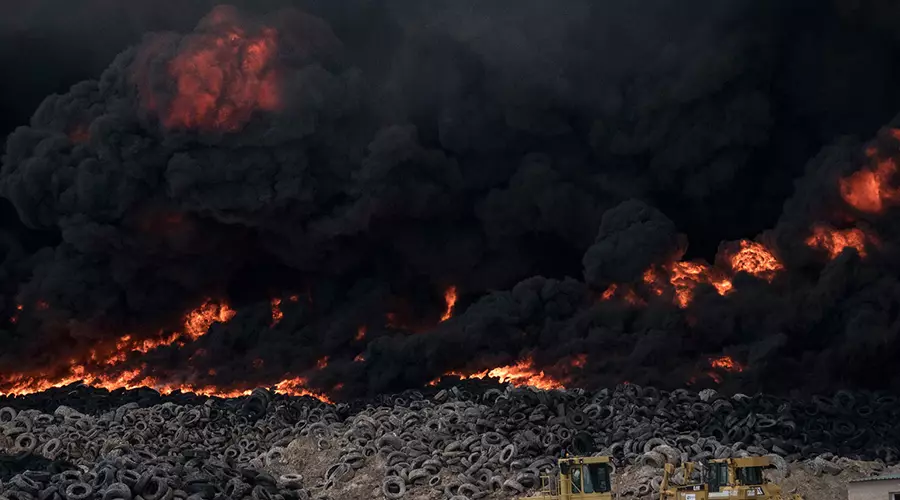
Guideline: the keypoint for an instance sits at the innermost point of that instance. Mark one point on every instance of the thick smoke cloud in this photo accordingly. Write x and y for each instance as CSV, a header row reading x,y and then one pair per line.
x,y
391,150
633,237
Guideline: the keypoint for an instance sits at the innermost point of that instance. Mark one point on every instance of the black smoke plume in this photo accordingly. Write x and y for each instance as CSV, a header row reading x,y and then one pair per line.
x,y
388,151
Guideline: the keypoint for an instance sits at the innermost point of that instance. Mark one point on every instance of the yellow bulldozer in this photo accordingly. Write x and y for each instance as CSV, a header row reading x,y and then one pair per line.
x,y
583,477
733,478
580,478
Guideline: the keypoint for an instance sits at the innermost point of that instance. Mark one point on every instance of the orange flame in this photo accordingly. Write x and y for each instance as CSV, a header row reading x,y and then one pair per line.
x,y
450,299
520,374
625,292
98,369
834,241
221,74
297,387
726,363
869,189
652,280
754,258
199,320
686,276
277,315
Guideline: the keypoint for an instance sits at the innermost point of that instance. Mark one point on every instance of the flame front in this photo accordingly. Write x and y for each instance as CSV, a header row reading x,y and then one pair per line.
x,y
297,387
521,374
103,368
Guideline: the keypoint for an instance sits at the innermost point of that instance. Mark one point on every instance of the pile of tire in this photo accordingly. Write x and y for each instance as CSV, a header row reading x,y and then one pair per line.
x,y
451,444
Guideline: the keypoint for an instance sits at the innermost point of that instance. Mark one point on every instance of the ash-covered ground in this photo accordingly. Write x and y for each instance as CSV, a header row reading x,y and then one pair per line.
x,y
469,441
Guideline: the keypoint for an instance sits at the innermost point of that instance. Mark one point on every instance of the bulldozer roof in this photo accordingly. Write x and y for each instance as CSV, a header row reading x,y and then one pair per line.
x,y
584,460
745,461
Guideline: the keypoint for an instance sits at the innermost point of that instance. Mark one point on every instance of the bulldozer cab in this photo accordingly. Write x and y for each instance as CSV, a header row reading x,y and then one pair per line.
x,y
729,472
580,478
687,490
732,478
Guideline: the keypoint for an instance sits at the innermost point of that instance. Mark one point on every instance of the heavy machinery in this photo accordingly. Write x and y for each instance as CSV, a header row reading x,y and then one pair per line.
x,y
580,478
734,478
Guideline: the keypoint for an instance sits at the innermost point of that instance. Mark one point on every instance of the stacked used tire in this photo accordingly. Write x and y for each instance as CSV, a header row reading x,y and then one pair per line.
x,y
451,444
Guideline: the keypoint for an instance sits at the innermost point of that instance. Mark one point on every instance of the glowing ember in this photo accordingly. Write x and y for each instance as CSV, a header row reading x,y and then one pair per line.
x,y
726,363
834,241
520,374
359,358
221,74
755,259
579,360
15,317
610,292
277,315
360,333
322,363
450,299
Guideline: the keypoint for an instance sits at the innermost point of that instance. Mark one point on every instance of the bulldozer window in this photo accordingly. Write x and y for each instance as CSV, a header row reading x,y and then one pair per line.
x,y
750,475
718,476
596,478
576,479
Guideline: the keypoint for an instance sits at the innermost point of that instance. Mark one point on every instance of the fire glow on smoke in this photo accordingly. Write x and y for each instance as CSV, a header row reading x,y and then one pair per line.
x,y
221,75
870,189
684,277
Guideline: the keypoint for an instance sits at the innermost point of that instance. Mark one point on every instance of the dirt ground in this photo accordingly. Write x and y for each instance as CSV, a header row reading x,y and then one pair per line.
x,y
801,478
302,456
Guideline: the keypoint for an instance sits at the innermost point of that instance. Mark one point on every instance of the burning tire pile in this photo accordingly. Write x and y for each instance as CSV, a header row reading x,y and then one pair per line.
x,y
451,444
